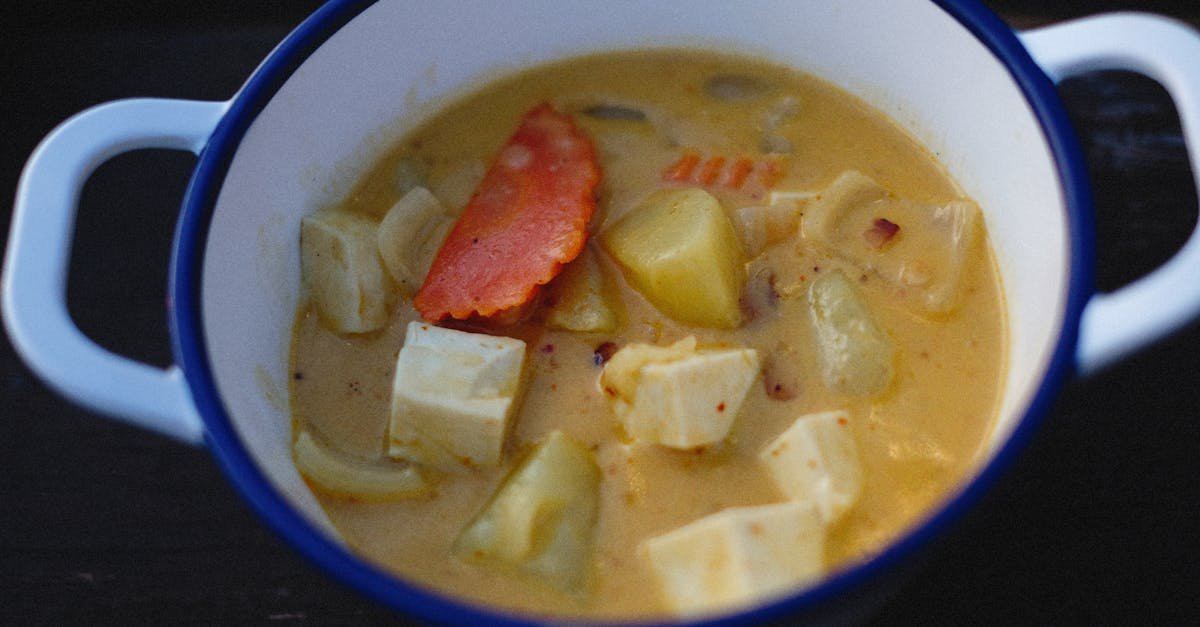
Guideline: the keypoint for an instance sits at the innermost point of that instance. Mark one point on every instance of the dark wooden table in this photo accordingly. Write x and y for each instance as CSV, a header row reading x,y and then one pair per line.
x,y
102,523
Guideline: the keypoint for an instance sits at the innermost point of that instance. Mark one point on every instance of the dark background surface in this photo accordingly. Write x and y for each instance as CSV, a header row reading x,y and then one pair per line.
x,y
103,523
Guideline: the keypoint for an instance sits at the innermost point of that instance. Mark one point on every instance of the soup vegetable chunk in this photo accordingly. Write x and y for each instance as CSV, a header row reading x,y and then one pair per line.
x,y
641,335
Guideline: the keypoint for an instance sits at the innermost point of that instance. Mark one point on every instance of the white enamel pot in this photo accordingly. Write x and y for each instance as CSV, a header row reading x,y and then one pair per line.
x,y
357,74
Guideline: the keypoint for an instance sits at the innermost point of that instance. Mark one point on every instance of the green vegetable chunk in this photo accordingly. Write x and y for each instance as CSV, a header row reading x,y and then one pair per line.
x,y
540,521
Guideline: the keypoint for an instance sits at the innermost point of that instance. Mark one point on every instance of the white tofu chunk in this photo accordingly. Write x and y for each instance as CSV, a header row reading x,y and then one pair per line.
x,y
738,556
815,460
341,269
855,354
922,250
676,395
410,235
454,396
541,520
339,474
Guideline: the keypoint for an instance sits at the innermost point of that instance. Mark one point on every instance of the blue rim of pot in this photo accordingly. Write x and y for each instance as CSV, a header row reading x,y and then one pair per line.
x,y
186,320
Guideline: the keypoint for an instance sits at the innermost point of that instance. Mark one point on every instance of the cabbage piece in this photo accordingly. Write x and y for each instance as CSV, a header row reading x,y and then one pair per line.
x,y
919,248
410,235
582,298
761,226
855,354
340,474
541,520
342,272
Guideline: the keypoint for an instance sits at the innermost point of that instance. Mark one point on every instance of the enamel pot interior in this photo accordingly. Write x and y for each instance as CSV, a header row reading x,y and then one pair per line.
x,y
357,75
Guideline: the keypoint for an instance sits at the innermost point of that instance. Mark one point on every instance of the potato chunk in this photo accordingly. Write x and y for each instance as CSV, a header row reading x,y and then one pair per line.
x,y
738,556
815,460
856,356
453,396
541,520
349,477
922,250
582,298
340,268
679,249
410,235
676,395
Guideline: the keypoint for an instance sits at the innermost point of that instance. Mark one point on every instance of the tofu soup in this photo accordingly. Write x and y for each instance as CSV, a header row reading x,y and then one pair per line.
x,y
643,335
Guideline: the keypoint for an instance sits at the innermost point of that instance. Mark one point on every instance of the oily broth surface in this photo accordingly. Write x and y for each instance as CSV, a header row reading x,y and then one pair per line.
x,y
915,442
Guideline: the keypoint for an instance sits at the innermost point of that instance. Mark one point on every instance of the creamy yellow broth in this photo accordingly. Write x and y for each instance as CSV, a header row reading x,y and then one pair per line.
x,y
916,441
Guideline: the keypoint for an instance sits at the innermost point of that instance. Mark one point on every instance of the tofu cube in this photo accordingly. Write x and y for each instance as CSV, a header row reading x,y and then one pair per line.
x,y
454,396
815,460
676,395
738,556
341,270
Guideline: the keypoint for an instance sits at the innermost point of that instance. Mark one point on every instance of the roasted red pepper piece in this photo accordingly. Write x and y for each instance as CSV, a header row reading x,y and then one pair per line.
x,y
528,217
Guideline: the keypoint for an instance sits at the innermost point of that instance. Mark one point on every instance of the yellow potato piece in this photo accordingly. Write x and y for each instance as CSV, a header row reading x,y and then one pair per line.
x,y
679,249
540,521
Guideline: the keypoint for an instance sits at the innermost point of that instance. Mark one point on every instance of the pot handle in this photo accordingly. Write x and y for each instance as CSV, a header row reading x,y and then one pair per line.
x,y
1115,324
35,274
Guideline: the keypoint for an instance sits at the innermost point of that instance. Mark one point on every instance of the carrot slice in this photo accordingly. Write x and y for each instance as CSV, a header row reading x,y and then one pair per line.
x,y
528,217
711,170
736,175
681,170
742,173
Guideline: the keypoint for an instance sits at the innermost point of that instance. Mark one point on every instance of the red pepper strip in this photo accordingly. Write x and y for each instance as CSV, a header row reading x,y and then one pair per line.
x,y
528,217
